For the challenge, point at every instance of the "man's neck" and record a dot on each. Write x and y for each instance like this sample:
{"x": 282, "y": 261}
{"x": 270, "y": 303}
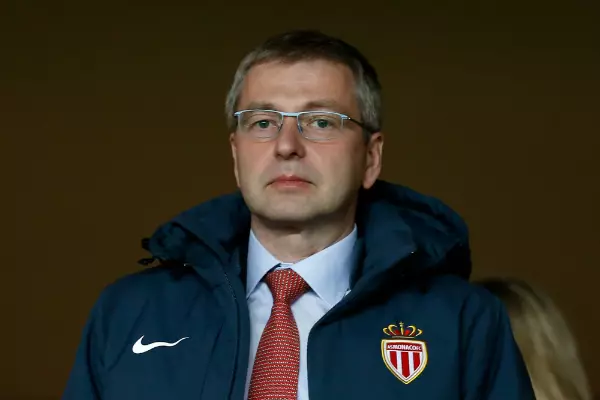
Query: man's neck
{"x": 292, "y": 243}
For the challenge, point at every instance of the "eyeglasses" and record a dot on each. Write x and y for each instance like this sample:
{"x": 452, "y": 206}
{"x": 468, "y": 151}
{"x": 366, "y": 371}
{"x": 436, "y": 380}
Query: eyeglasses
{"x": 313, "y": 125}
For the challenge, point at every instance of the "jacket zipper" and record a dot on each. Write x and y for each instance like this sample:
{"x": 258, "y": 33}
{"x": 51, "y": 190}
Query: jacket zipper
{"x": 340, "y": 306}
{"x": 235, "y": 301}
{"x": 353, "y": 294}
{"x": 237, "y": 342}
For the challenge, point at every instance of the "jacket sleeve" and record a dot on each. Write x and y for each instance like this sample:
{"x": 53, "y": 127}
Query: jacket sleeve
{"x": 493, "y": 368}
{"x": 84, "y": 379}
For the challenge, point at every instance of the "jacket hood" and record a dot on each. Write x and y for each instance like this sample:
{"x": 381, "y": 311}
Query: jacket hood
{"x": 393, "y": 221}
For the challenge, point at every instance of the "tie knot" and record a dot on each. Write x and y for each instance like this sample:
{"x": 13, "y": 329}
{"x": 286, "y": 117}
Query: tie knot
{"x": 286, "y": 285}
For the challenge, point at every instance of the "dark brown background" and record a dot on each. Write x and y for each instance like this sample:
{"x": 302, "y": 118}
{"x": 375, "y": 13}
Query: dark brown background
{"x": 112, "y": 123}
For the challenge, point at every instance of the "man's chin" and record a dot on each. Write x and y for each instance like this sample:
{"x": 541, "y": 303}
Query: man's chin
{"x": 277, "y": 206}
{"x": 297, "y": 215}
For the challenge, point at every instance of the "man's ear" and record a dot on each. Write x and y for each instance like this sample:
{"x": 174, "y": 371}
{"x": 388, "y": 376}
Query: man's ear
{"x": 234, "y": 156}
{"x": 374, "y": 160}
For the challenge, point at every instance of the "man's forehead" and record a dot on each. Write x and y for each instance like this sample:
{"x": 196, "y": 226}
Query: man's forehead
{"x": 303, "y": 85}
{"x": 321, "y": 104}
{"x": 303, "y": 69}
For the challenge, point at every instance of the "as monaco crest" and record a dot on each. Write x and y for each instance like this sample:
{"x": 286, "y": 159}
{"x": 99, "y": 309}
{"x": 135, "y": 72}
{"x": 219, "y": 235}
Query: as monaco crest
{"x": 404, "y": 356}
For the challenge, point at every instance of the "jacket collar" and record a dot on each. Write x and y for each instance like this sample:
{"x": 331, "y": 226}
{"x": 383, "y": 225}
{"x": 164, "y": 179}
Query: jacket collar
{"x": 393, "y": 221}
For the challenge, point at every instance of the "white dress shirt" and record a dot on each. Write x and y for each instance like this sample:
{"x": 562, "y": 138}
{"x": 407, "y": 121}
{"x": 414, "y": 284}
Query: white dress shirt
{"x": 326, "y": 272}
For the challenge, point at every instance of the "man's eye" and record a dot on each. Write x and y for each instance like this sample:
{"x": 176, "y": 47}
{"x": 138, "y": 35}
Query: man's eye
{"x": 263, "y": 124}
{"x": 321, "y": 123}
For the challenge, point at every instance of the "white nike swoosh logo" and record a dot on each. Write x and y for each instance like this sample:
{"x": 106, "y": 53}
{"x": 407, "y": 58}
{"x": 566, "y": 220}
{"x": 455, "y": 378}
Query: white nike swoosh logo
{"x": 139, "y": 348}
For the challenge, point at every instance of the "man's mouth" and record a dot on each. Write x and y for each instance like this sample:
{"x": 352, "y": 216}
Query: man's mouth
{"x": 290, "y": 181}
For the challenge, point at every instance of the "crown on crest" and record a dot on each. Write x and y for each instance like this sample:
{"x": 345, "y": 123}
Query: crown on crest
{"x": 400, "y": 332}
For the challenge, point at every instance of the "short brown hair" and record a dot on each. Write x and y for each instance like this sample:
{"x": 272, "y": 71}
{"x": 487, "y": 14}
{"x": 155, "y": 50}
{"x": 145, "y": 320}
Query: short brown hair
{"x": 303, "y": 45}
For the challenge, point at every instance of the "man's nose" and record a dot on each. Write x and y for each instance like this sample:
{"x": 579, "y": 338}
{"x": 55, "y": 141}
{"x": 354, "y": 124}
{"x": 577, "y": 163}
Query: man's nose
{"x": 289, "y": 142}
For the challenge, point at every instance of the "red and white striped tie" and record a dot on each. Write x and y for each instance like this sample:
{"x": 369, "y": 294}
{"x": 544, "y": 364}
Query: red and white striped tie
{"x": 277, "y": 362}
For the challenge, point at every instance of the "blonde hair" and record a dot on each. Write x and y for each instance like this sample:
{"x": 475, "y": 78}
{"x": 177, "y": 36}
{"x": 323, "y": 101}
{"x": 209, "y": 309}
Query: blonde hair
{"x": 548, "y": 346}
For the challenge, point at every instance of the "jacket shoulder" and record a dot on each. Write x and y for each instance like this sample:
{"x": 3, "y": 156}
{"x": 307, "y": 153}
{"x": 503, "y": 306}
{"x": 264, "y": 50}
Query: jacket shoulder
{"x": 137, "y": 286}
{"x": 458, "y": 296}
{"x": 145, "y": 295}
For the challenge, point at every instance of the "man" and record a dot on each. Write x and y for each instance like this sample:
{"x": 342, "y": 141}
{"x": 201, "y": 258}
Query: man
{"x": 316, "y": 280}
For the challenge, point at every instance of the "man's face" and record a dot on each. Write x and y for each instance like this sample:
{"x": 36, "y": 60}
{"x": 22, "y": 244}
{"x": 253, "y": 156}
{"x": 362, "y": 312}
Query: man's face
{"x": 290, "y": 179}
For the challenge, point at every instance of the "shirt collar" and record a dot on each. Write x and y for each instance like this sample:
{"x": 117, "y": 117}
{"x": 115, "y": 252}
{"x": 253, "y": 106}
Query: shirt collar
{"x": 326, "y": 272}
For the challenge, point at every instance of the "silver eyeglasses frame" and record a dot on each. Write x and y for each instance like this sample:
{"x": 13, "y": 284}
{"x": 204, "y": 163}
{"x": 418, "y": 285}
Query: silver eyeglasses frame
{"x": 297, "y": 115}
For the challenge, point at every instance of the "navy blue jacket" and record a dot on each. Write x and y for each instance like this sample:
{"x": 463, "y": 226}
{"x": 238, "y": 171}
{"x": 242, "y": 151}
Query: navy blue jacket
{"x": 412, "y": 326}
